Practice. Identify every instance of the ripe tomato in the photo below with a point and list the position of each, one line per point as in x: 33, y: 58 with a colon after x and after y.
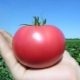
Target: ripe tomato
x: 38, y: 46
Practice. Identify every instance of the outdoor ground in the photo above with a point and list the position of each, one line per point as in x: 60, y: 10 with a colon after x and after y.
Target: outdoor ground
x: 72, y: 45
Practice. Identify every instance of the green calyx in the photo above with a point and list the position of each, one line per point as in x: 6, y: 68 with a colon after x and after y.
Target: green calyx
x: 36, y: 22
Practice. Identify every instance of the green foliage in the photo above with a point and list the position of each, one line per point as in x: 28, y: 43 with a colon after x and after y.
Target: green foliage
x: 72, y: 46
x: 4, y: 71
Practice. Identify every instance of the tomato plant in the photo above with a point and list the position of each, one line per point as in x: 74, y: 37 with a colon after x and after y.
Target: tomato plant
x: 38, y: 46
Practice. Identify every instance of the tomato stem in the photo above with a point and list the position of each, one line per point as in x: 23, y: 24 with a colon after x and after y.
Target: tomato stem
x: 36, y: 22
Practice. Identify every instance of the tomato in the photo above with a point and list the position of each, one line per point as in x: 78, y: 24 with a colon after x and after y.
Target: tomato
x: 38, y: 46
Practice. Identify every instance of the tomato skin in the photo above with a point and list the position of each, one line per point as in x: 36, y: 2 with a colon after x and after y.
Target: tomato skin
x: 38, y: 46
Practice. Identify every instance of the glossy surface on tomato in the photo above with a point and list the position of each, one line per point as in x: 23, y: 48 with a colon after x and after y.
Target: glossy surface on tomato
x: 38, y: 46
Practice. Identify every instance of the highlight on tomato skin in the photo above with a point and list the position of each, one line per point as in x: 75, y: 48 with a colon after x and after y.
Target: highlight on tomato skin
x: 38, y: 46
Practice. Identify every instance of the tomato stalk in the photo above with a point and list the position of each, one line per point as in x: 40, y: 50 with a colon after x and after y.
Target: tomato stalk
x: 36, y: 22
